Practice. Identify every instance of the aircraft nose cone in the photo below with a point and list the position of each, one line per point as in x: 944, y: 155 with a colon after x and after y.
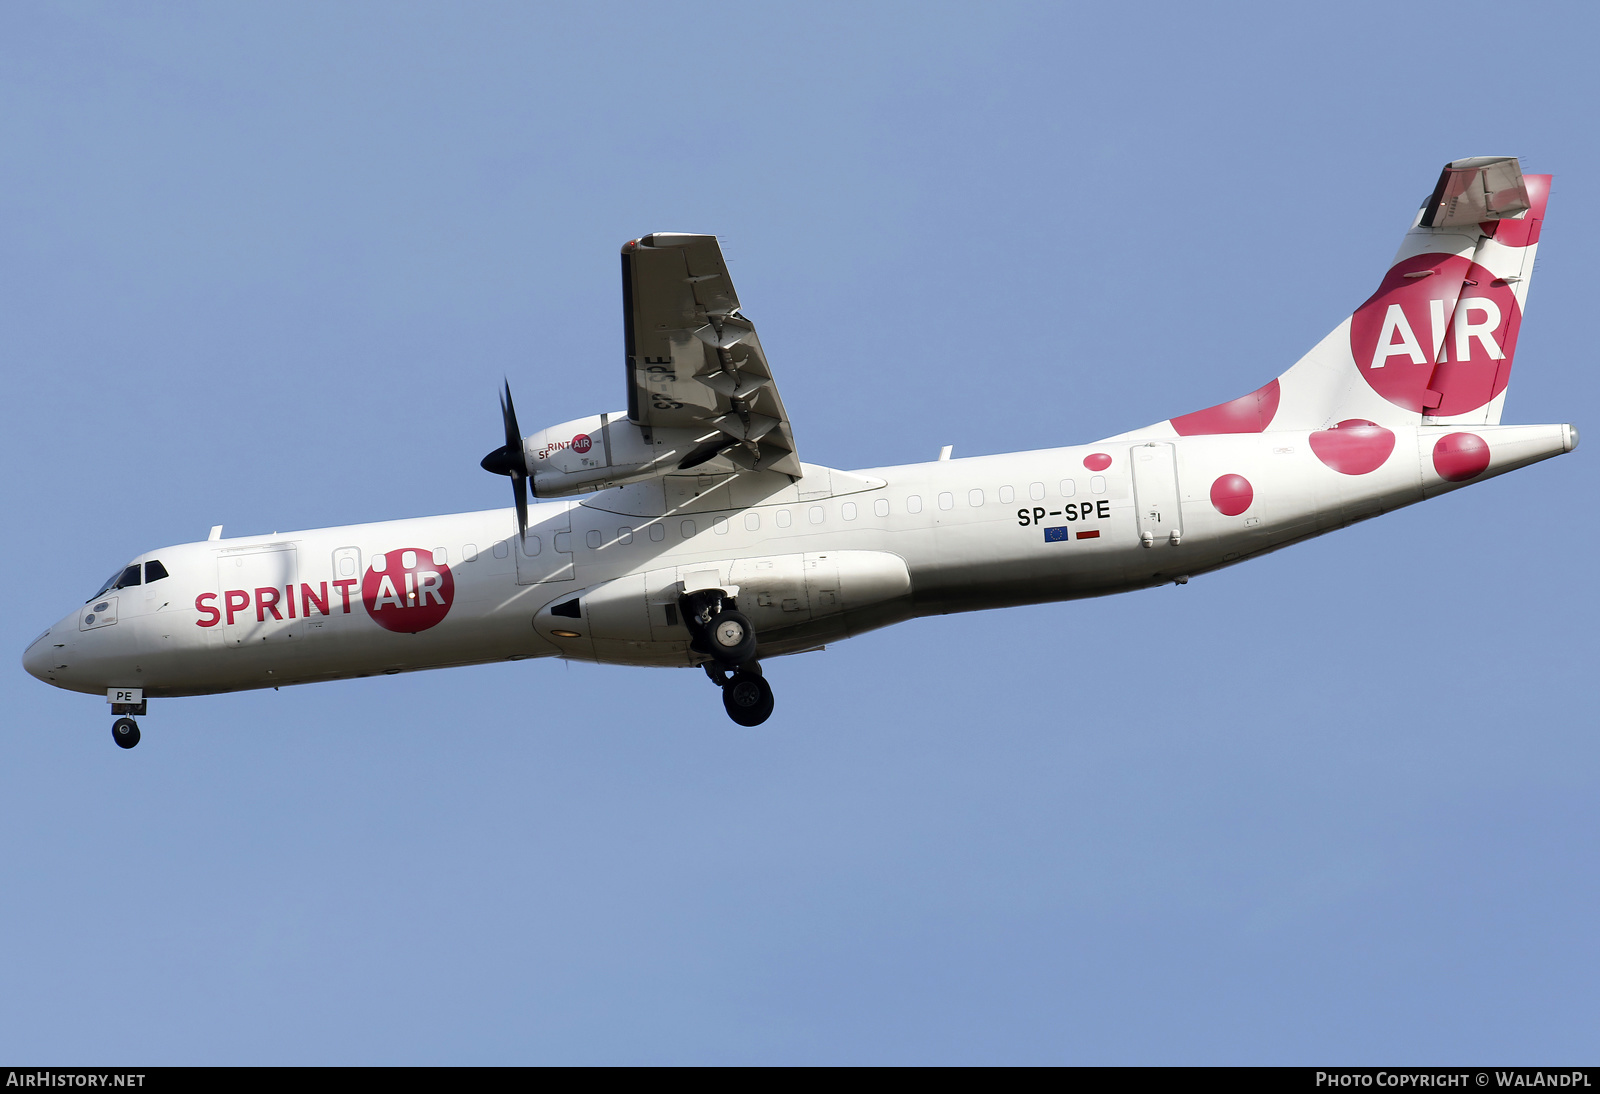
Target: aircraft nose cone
x: 36, y: 658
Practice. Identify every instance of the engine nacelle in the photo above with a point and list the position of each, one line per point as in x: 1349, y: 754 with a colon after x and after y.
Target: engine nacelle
x: 600, y: 451
x: 794, y: 602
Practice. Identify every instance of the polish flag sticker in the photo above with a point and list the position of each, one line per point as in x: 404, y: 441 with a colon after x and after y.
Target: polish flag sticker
x: 407, y: 591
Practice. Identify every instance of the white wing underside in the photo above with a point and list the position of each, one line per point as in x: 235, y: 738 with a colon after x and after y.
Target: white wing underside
x: 694, y: 361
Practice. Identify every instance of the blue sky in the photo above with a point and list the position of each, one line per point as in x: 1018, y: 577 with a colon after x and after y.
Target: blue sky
x: 263, y: 265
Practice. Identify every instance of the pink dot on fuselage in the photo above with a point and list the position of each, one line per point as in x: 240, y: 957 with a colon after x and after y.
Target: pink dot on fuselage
x: 1460, y: 456
x: 1353, y: 447
x: 1232, y: 495
x: 1097, y: 462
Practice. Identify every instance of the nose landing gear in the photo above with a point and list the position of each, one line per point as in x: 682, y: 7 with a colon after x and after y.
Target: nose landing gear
x: 125, y: 731
x: 125, y: 701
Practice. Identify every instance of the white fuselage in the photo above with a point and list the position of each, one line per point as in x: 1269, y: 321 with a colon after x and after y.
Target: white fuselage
x: 813, y: 561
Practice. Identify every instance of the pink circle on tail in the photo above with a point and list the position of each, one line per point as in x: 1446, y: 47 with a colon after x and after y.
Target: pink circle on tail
x: 1427, y: 340
x: 1099, y: 461
x: 1353, y: 447
x: 1250, y: 413
x: 1460, y: 456
x: 1232, y: 495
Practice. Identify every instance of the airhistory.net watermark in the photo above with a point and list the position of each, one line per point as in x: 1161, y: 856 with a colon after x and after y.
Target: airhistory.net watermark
x: 46, y: 1078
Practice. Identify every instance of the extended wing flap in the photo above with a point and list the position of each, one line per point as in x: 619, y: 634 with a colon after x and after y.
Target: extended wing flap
x: 694, y: 361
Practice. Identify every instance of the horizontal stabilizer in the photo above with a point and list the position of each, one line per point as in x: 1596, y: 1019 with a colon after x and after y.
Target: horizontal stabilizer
x: 1475, y: 190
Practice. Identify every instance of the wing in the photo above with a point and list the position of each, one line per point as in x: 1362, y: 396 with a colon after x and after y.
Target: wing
x: 694, y: 362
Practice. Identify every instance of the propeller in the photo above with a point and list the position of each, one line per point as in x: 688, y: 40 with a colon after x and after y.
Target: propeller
x: 509, y: 460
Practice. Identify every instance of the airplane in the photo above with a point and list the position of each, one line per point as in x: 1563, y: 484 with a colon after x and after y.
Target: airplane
x: 685, y: 530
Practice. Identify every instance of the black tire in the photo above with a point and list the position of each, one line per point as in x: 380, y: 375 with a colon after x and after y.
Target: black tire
x: 125, y: 731
x: 730, y: 637
x: 748, y: 699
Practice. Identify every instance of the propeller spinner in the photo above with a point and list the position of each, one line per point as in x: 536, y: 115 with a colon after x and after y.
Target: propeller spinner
x: 509, y: 460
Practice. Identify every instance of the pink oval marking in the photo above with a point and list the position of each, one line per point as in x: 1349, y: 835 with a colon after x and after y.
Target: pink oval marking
x: 1232, y: 495
x: 1099, y: 461
x: 1250, y: 413
x: 1353, y: 447
x: 1403, y: 354
x: 1460, y: 456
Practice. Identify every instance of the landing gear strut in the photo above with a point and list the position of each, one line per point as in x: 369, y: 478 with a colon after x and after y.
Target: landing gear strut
x: 125, y: 731
x: 724, y: 633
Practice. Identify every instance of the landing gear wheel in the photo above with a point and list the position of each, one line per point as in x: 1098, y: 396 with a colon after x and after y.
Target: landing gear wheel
x: 747, y: 699
x: 731, y: 637
x: 125, y: 731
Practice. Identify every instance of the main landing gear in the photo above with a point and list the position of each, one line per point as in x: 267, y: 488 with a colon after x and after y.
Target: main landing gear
x: 746, y: 695
x: 724, y: 633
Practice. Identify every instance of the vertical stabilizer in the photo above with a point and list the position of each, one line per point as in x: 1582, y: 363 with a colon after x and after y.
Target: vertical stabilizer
x: 1434, y: 345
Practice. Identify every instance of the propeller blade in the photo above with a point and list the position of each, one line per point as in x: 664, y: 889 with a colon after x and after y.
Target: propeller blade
x: 508, y: 411
x: 510, y: 460
x: 519, y: 486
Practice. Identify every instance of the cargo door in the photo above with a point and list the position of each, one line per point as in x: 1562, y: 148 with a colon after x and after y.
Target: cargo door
x: 256, y: 603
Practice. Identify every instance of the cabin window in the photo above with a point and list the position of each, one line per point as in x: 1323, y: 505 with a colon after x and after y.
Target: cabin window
x: 500, y: 550
x: 1007, y: 495
x: 815, y: 514
x: 154, y: 571
x: 658, y: 532
x: 947, y: 500
x: 1097, y: 484
x: 914, y: 504
x: 624, y: 535
x: 531, y: 546
x: 848, y: 510
x: 441, y: 557
x: 687, y: 528
x: 881, y: 507
x: 1069, y: 487
x: 1036, y: 491
x: 469, y: 553
x: 975, y: 498
x: 752, y: 522
x: 719, y: 525
x: 592, y: 538
x: 784, y: 519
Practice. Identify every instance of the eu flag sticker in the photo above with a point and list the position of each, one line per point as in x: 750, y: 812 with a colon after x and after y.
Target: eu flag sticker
x: 1057, y: 535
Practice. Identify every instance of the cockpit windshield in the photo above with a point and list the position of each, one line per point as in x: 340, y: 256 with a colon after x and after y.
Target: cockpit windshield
x: 121, y: 579
x: 129, y: 575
